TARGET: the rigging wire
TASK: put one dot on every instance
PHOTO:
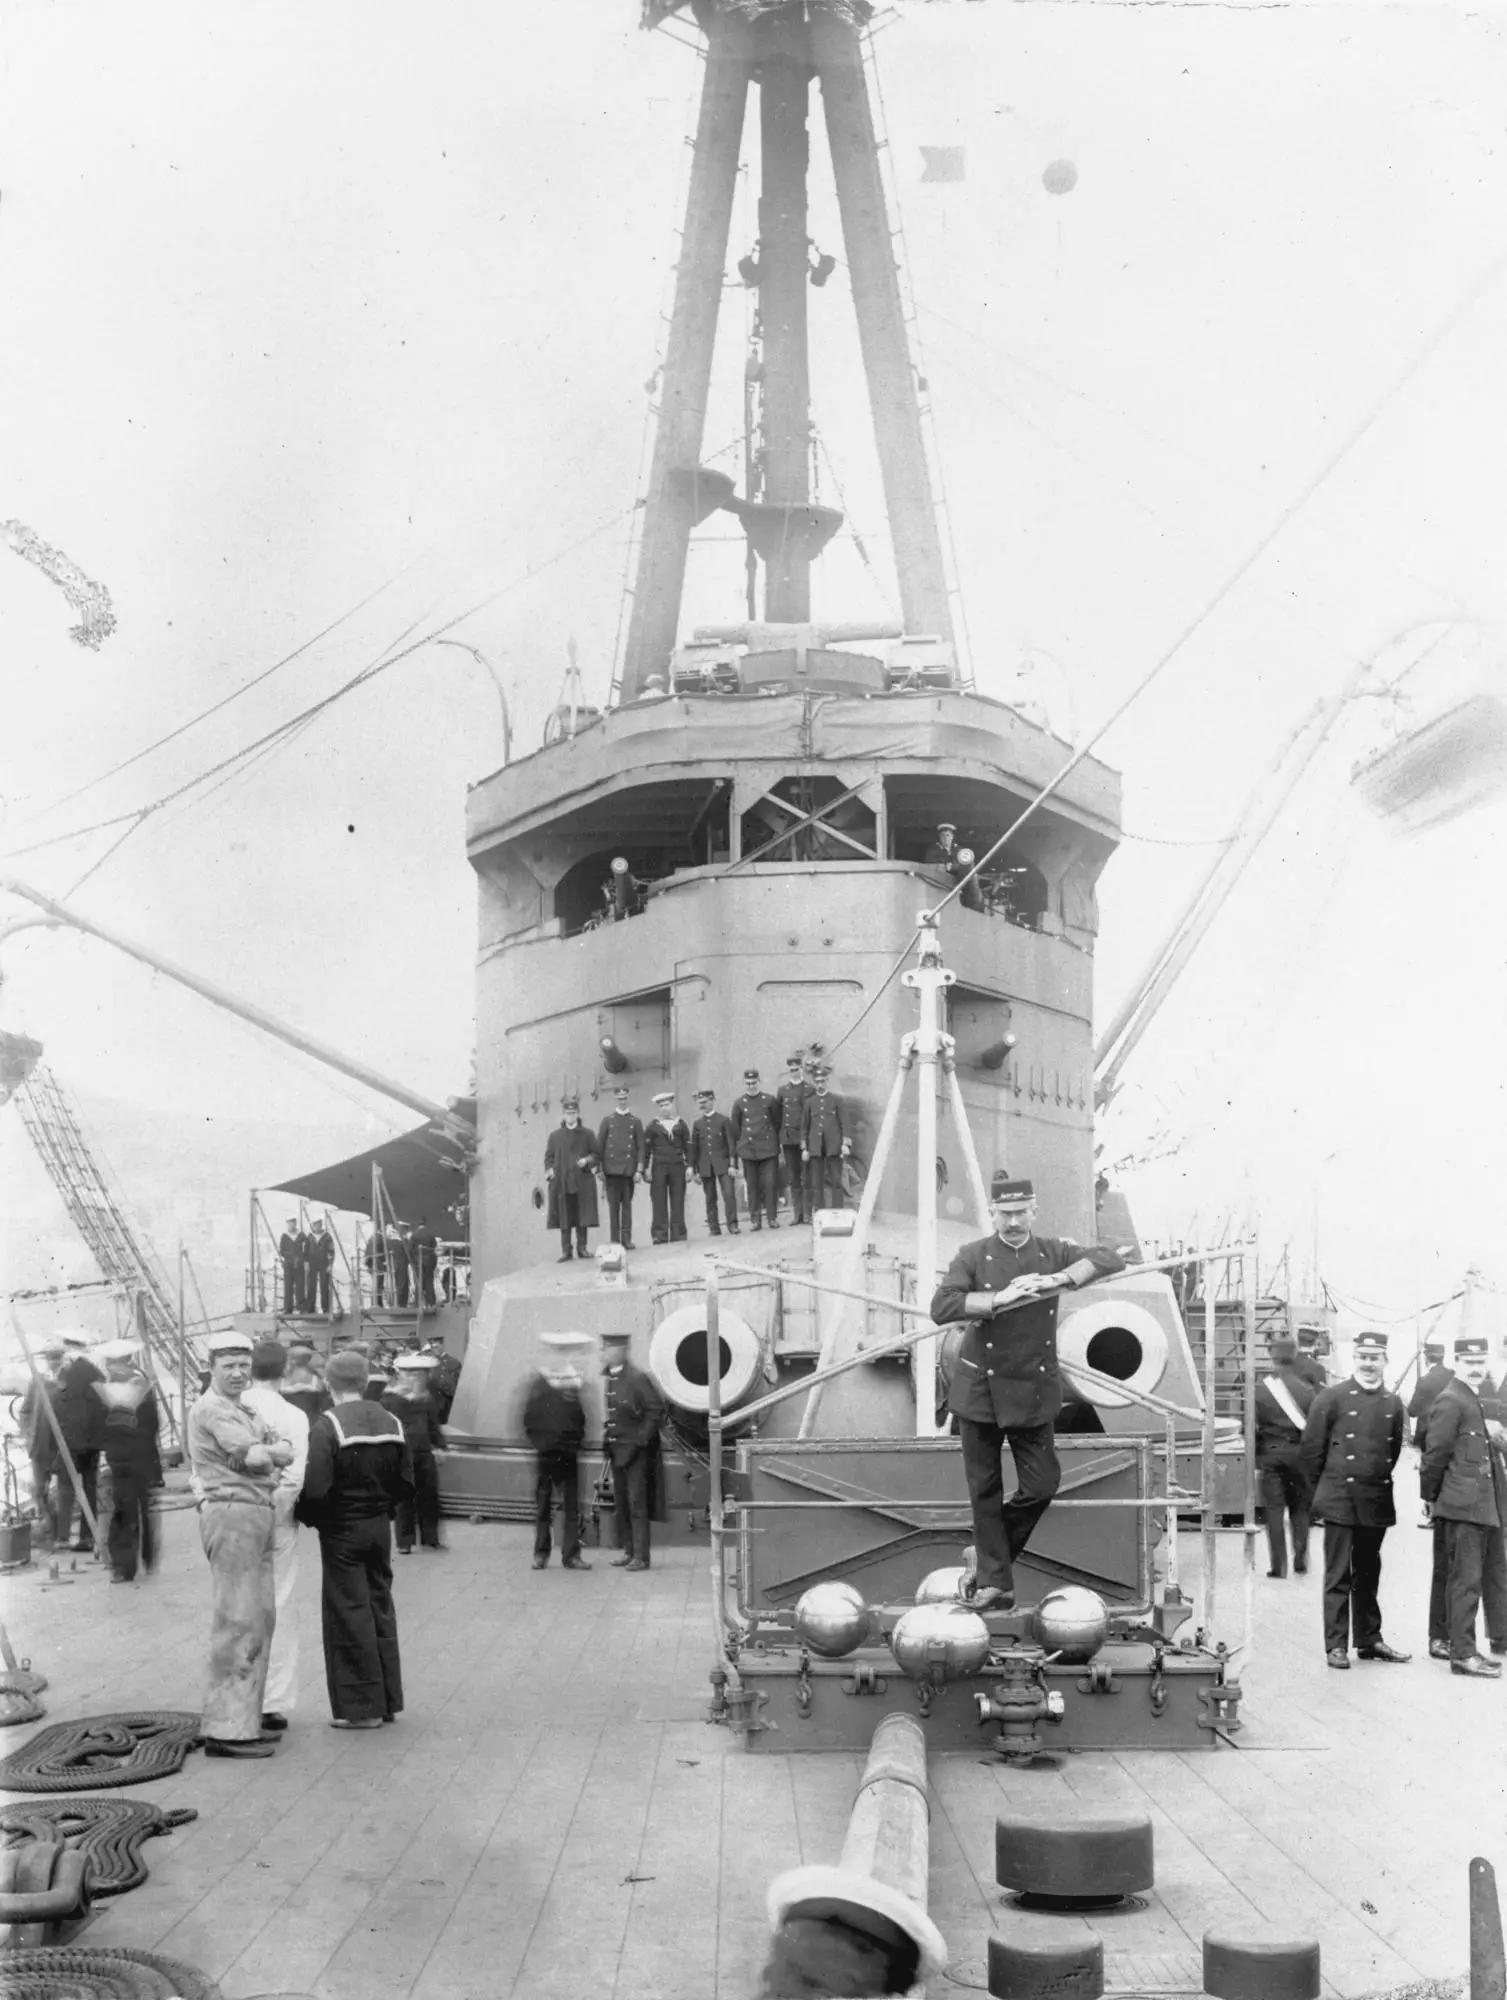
(1342, 450)
(137, 756)
(1421, 354)
(390, 658)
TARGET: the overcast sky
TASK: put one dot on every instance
(302, 305)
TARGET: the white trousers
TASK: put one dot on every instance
(281, 1694)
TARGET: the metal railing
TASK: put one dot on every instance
(730, 1623)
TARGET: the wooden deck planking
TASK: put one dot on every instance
(553, 1744)
(670, 1943)
(760, 1839)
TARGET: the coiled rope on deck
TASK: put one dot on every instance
(62, 1972)
(109, 1832)
(129, 1749)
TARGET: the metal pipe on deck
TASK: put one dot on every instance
(878, 1888)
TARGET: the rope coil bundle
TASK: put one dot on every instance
(109, 1832)
(59, 1972)
(129, 1749)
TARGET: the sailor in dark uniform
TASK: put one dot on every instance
(412, 1404)
(131, 1427)
(1430, 1382)
(554, 1422)
(793, 1093)
(943, 852)
(667, 1168)
(1309, 1365)
(359, 1471)
(1351, 1442)
(293, 1251)
(756, 1133)
(1283, 1400)
(620, 1145)
(712, 1153)
(1457, 1485)
(1005, 1387)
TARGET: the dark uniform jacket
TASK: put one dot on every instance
(1422, 1399)
(321, 1251)
(756, 1125)
(712, 1144)
(421, 1426)
(359, 1467)
(79, 1412)
(129, 1433)
(1312, 1370)
(667, 1146)
(1455, 1476)
(1277, 1436)
(825, 1124)
(1352, 1440)
(554, 1418)
(634, 1410)
(793, 1098)
(293, 1250)
(1006, 1371)
(573, 1154)
(620, 1141)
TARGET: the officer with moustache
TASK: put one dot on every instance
(756, 1133)
(1006, 1389)
(712, 1152)
(1351, 1442)
(1457, 1486)
(793, 1094)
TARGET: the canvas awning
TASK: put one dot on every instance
(424, 1172)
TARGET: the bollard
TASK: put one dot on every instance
(870, 1910)
(1068, 1969)
(1260, 1968)
(1079, 1860)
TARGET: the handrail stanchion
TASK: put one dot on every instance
(1207, 1483)
(714, 1451)
(1250, 1274)
(853, 1256)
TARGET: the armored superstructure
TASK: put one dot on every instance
(773, 784)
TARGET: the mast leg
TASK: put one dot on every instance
(922, 576)
(784, 70)
(669, 512)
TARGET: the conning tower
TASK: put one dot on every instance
(773, 784)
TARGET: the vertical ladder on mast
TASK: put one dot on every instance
(54, 1129)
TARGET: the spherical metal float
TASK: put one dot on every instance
(942, 1586)
(831, 1619)
(940, 1642)
(1072, 1622)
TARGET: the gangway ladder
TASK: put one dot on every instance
(125, 1260)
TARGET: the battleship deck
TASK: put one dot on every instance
(552, 1817)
